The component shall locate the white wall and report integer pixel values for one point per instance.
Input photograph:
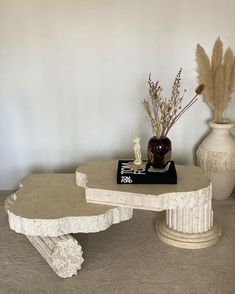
(73, 73)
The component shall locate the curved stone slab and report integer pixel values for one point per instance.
(53, 205)
(62, 253)
(188, 221)
(99, 179)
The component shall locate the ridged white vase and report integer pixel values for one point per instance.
(216, 156)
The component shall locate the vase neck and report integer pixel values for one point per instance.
(223, 126)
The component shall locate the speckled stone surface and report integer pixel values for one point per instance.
(128, 258)
(99, 178)
(53, 205)
(187, 204)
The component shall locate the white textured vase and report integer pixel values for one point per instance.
(216, 156)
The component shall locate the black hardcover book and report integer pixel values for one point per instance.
(126, 174)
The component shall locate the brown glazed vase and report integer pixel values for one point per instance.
(159, 151)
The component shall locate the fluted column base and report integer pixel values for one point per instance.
(197, 219)
(187, 240)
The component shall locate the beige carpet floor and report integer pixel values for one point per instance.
(126, 258)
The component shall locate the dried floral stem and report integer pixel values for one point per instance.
(194, 99)
(164, 112)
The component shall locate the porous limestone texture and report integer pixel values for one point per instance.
(187, 240)
(215, 161)
(99, 179)
(187, 204)
(63, 253)
(216, 156)
(52, 205)
(48, 207)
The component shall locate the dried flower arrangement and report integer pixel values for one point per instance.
(164, 112)
(218, 74)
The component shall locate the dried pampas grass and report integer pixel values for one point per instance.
(218, 76)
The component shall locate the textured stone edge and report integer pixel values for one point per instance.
(63, 253)
(81, 179)
(215, 161)
(148, 202)
(190, 220)
(67, 225)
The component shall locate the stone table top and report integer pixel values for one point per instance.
(53, 205)
(99, 178)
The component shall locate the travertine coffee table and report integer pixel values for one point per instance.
(188, 221)
(48, 207)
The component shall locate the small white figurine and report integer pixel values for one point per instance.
(137, 151)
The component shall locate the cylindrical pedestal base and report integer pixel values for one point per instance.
(197, 219)
(187, 240)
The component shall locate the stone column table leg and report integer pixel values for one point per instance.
(188, 221)
(189, 227)
(48, 208)
(62, 253)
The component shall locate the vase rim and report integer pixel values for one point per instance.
(227, 124)
(160, 138)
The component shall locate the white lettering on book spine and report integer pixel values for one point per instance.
(126, 180)
(126, 169)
